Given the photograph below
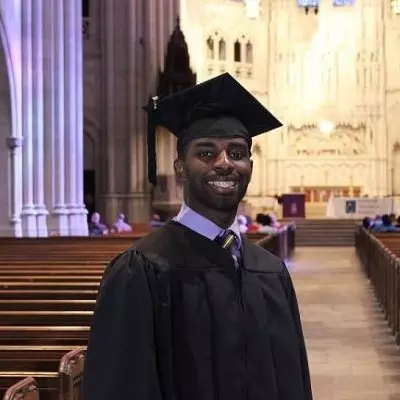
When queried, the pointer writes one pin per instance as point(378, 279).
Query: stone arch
point(10, 141)
point(91, 169)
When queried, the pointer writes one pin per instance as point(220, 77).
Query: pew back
point(48, 289)
point(71, 373)
point(25, 389)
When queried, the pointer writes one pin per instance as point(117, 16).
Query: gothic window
point(85, 8)
point(237, 49)
point(249, 53)
point(222, 50)
point(210, 48)
point(395, 6)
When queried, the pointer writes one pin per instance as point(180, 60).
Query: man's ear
point(180, 173)
point(251, 167)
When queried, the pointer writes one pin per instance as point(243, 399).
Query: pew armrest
point(25, 389)
point(71, 373)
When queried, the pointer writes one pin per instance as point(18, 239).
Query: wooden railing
point(379, 255)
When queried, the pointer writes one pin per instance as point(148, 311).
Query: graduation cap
point(219, 107)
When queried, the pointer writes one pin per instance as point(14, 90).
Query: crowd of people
point(382, 223)
point(263, 223)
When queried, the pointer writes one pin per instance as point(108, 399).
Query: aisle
point(351, 353)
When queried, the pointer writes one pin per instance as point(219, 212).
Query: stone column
point(28, 213)
point(38, 117)
point(81, 208)
point(109, 108)
point(138, 75)
point(54, 115)
point(71, 115)
point(14, 146)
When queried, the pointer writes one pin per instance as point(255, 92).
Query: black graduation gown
point(175, 320)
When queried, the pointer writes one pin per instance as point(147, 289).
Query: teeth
point(223, 184)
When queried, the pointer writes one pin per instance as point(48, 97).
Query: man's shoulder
point(156, 240)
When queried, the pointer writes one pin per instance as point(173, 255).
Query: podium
point(294, 205)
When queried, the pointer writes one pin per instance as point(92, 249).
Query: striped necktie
point(230, 242)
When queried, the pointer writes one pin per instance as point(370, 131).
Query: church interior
point(325, 188)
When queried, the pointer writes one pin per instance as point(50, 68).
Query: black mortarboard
point(218, 107)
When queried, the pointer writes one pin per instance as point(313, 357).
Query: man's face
point(215, 172)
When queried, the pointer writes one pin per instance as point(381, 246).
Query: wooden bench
point(379, 255)
point(32, 358)
point(26, 293)
point(46, 382)
point(47, 304)
point(25, 389)
point(71, 373)
point(48, 290)
point(44, 335)
point(62, 385)
point(37, 318)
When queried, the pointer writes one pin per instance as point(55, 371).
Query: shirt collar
point(203, 226)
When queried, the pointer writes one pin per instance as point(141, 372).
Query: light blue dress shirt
point(202, 225)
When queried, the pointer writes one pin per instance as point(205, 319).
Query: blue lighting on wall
point(308, 3)
point(343, 2)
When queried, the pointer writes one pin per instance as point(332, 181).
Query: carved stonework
point(310, 142)
point(396, 147)
point(177, 74)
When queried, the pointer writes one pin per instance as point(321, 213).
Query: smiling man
point(195, 311)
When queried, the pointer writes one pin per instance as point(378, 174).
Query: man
point(195, 311)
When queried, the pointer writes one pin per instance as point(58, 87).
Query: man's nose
point(223, 161)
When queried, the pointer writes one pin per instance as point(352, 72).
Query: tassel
point(151, 140)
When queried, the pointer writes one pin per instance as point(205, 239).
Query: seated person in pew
point(366, 223)
point(96, 228)
point(120, 226)
point(156, 222)
point(266, 225)
point(385, 226)
point(195, 311)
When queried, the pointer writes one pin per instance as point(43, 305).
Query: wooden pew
point(46, 335)
point(46, 382)
point(37, 318)
point(47, 304)
point(32, 358)
point(25, 389)
point(379, 255)
point(71, 373)
point(48, 289)
point(74, 294)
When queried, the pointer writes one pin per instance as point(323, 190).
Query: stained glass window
point(343, 2)
point(308, 3)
